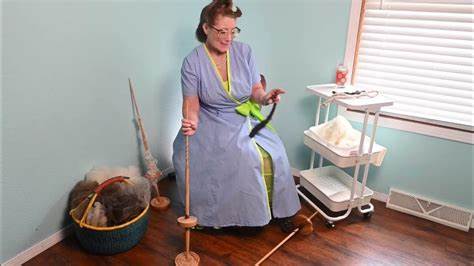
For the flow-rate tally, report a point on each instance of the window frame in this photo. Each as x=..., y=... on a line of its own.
x=395, y=121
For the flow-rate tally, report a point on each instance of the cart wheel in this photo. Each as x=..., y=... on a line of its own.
x=330, y=224
x=367, y=215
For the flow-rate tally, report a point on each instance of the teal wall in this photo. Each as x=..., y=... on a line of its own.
x=66, y=106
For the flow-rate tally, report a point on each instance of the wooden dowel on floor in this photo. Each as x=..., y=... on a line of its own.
x=282, y=242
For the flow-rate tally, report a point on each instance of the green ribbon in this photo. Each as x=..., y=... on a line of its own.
x=251, y=108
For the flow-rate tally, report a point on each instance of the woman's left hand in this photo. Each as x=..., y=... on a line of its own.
x=273, y=96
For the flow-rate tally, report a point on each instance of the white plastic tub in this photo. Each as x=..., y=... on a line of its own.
x=332, y=186
x=344, y=158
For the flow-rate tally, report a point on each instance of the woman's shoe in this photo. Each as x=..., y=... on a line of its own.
x=286, y=224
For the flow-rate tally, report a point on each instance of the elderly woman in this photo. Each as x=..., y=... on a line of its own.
x=235, y=180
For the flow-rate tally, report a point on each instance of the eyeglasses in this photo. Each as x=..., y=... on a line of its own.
x=221, y=34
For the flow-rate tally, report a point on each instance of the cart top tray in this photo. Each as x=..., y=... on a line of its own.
x=361, y=103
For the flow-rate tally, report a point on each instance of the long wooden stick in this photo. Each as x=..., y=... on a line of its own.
x=187, y=168
x=282, y=242
x=139, y=118
x=187, y=184
x=187, y=258
x=152, y=170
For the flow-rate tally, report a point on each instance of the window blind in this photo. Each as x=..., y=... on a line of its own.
x=419, y=53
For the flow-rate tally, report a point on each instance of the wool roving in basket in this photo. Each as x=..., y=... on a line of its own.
x=117, y=203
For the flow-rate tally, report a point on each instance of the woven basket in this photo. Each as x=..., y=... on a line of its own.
x=114, y=239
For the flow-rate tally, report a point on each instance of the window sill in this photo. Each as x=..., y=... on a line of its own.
x=443, y=132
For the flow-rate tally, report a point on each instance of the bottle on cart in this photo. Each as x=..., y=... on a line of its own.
x=341, y=74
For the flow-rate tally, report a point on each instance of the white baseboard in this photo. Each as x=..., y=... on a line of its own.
x=380, y=196
x=39, y=247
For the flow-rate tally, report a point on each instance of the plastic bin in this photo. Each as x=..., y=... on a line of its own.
x=332, y=186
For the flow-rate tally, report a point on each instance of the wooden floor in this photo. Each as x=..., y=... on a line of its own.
x=388, y=238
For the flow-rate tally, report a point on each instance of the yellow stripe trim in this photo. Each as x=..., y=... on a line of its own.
x=262, y=171
x=229, y=76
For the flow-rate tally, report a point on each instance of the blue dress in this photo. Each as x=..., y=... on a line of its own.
x=226, y=174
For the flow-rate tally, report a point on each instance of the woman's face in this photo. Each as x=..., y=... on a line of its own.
x=219, y=35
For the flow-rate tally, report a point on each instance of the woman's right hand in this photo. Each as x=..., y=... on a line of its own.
x=188, y=127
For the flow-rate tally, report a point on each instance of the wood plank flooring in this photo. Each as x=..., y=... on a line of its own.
x=388, y=238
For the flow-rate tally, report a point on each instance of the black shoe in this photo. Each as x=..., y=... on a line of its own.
x=248, y=230
x=286, y=224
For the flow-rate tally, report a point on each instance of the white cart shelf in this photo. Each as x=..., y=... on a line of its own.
x=333, y=187
x=340, y=158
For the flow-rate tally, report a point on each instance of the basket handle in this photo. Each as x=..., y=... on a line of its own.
x=96, y=192
x=110, y=181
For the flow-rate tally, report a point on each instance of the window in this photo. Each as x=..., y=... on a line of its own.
x=419, y=53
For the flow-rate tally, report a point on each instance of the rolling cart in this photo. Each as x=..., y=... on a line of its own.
x=332, y=186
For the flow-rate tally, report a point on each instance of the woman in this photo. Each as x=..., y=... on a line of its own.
x=221, y=88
